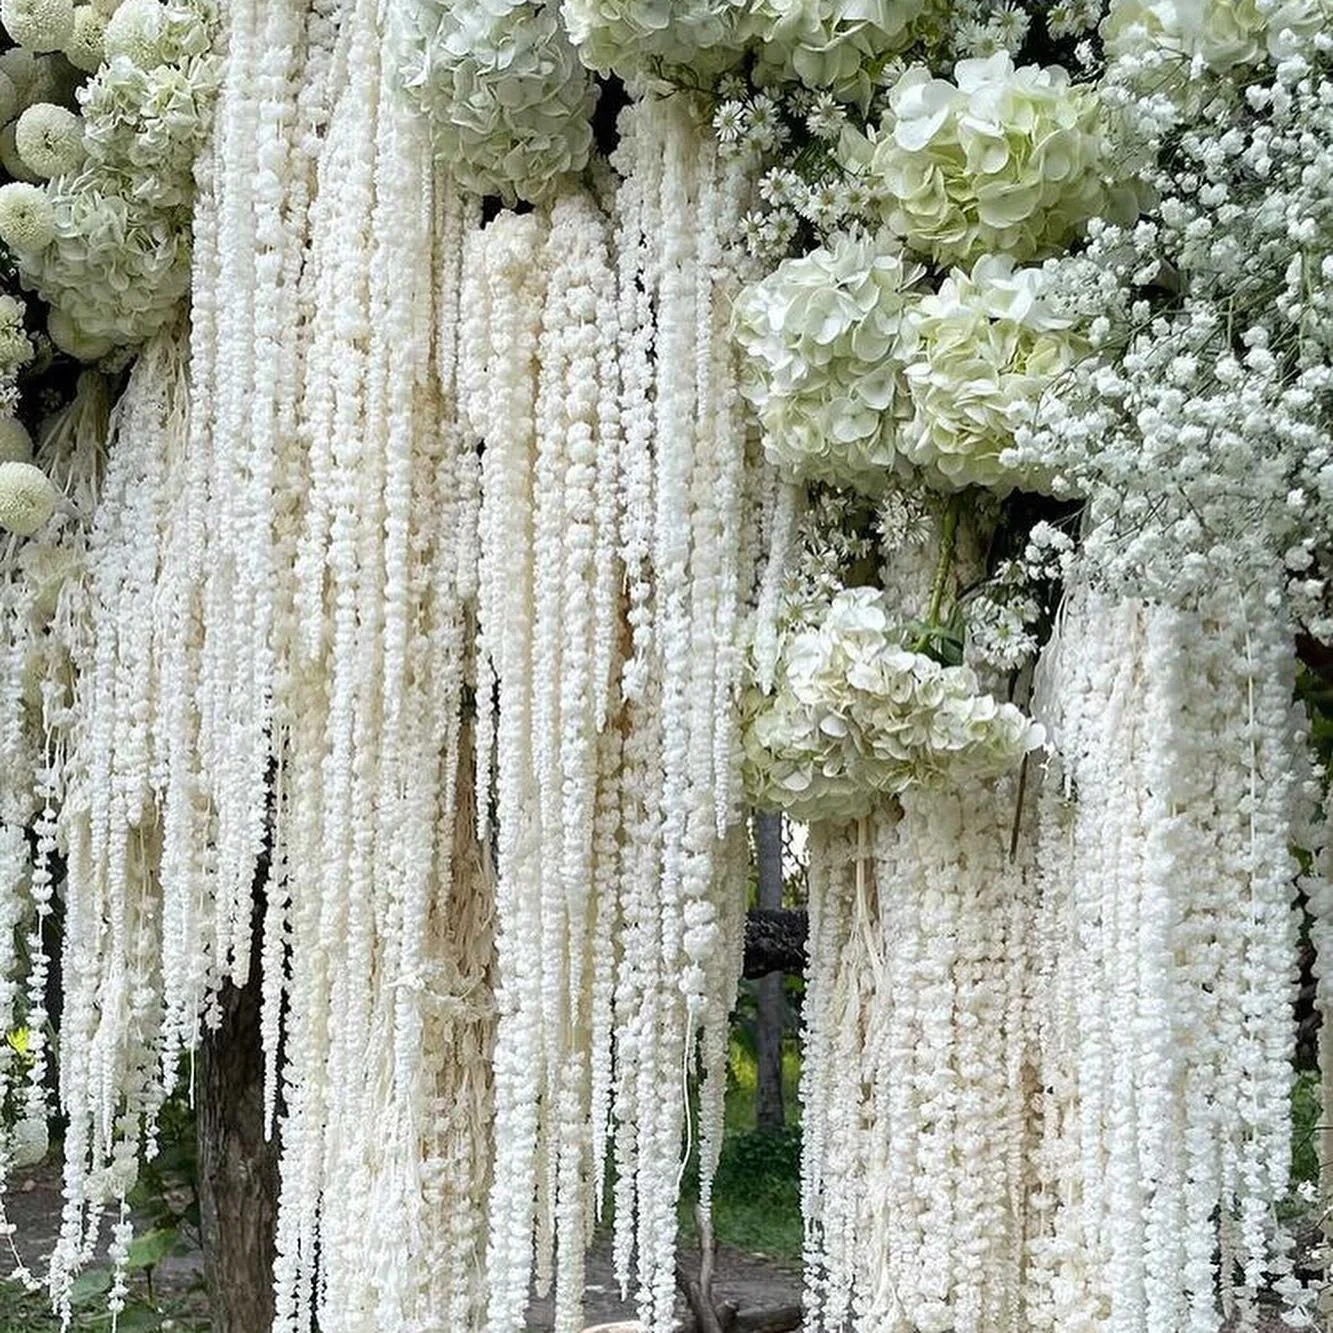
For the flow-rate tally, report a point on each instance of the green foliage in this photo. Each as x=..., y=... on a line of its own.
x=1306, y=1111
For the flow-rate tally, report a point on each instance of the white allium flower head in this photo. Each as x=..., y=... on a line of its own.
x=40, y=25
x=27, y=498
x=27, y=219
x=15, y=442
x=87, y=45
x=9, y=156
x=72, y=340
x=49, y=139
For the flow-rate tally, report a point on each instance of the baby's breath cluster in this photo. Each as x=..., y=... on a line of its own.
x=1199, y=432
x=856, y=714
x=507, y=98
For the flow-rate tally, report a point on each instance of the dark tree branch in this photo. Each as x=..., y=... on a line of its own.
x=775, y=941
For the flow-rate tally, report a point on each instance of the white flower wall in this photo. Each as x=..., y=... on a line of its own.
x=915, y=418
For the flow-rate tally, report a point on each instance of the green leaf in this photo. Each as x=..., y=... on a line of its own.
x=91, y=1285
x=151, y=1248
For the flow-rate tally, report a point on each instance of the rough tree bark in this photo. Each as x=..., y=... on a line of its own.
x=771, y=1002
x=238, y=1169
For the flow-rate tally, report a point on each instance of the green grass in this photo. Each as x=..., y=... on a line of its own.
x=757, y=1193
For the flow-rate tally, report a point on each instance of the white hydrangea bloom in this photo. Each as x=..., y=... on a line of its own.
x=1221, y=33
x=87, y=44
x=116, y=267
x=508, y=100
x=27, y=219
x=856, y=716
x=49, y=139
x=824, y=342
x=987, y=345
x=690, y=38
x=159, y=32
x=831, y=44
x=1001, y=160
x=40, y=25
x=70, y=339
x=27, y=498
x=144, y=128
x=15, y=442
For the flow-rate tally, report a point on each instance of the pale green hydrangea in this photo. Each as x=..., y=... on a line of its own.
x=40, y=25
x=685, y=40
x=509, y=103
x=116, y=267
x=856, y=716
x=27, y=498
x=1221, y=33
x=160, y=32
x=49, y=139
x=1001, y=160
x=66, y=335
x=823, y=337
x=831, y=44
x=144, y=128
x=987, y=346
x=27, y=218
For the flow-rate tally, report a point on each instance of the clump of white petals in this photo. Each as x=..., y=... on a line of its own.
x=40, y=25
x=656, y=39
x=49, y=139
x=27, y=498
x=508, y=100
x=1003, y=159
x=825, y=337
x=985, y=347
x=857, y=715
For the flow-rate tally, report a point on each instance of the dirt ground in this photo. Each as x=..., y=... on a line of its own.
x=750, y=1281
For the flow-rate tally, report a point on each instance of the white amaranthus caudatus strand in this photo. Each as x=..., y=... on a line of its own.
x=1167, y=929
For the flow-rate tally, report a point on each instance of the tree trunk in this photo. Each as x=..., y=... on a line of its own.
x=238, y=1169
x=772, y=1003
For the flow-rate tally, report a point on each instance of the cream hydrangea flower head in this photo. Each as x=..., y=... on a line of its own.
x=27, y=219
x=832, y=44
x=49, y=139
x=70, y=339
x=40, y=25
x=1221, y=33
x=509, y=103
x=151, y=32
x=1003, y=159
x=87, y=44
x=634, y=38
x=27, y=498
x=824, y=338
x=15, y=442
x=986, y=347
x=855, y=716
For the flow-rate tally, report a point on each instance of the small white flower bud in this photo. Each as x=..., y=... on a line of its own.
x=27, y=498
x=27, y=220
